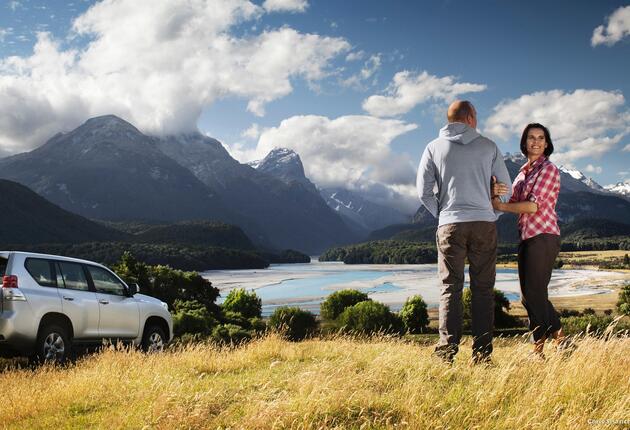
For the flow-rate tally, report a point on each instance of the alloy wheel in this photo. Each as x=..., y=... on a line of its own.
x=54, y=347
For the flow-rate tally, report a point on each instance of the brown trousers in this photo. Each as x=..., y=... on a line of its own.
x=476, y=240
x=536, y=257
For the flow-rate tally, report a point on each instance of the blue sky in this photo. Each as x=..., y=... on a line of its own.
x=288, y=73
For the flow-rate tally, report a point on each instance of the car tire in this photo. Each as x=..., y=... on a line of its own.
x=53, y=345
x=153, y=339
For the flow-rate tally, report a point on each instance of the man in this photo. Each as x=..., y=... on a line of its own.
x=459, y=164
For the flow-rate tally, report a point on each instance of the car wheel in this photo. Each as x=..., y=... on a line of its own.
x=154, y=339
x=53, y=344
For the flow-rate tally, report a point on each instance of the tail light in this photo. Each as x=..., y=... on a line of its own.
x=10, y=291
x=10, y=281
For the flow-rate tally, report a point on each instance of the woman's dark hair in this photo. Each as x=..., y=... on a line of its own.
x=548, y=149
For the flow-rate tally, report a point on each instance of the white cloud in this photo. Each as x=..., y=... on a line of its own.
x=156, y=64
x=350, y=151
x=617, y=28
x=253, y=132
x=355, y=56
x=285, y=5
x=583, y=124
x=367, y=72
x=408, y=90
x=593, y=169
x=14, y=5
x=626, y=148
x=243, y=152
x=4, y=32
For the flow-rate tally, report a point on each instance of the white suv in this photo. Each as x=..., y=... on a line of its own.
x=49, y=303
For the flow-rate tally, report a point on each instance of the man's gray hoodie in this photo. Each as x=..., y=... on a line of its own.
x=461, y=163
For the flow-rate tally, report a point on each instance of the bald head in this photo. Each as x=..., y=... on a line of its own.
x=462, y=111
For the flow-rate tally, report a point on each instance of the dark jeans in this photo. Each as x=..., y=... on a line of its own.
x=536, y=257
x=478, y=241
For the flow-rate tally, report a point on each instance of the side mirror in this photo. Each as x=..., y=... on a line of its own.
x=133, y=289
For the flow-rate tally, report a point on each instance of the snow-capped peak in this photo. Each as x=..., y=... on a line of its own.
x=254, y=164
x=282, y=155
x=516, y=158
x=578, y=175
x=622, y=188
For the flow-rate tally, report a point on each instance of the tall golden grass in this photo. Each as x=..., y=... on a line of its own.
x=325, y=383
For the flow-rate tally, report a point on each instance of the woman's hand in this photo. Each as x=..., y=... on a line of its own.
x=498, y=188
x=497, y=204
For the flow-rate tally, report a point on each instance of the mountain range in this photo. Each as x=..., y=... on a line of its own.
x=106, y=169
x=581, y=201
x=26, y=218
x=357, y=211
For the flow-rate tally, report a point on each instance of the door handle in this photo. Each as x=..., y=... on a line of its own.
x=104, y=302
x=70, y=299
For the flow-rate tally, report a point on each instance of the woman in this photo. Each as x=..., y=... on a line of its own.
x=534, y=197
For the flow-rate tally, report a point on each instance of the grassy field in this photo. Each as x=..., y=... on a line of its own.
x=337, y=383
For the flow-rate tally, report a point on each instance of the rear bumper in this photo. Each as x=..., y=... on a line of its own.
x=15, y=333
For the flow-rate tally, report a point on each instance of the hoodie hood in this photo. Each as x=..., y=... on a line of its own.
x=459, y=132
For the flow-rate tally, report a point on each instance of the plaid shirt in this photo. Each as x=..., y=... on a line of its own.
x=538, y=183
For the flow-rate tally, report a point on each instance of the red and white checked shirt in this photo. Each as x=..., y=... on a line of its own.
x=538, y=183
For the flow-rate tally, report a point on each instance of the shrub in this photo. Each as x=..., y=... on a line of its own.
x=191, y=317
x=335, y=303
x=502, y=319
x=230, y=333
x=245, y=303
x=576, y=325
x=258, y=325
x=235, y=318
x=369, y=317
x=588, y=311
x=623, y=305
x=293, y=323
x=414, y=315
x=564, y=313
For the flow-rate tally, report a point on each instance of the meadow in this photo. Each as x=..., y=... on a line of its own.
x=337, y=382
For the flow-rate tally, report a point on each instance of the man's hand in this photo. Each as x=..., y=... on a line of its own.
x=498, y=188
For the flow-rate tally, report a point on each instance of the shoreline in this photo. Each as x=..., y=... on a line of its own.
x=304, y=289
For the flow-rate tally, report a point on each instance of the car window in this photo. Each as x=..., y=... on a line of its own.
x=3, y=265
x=105, y=282
x=73, y=276
x=41, y=271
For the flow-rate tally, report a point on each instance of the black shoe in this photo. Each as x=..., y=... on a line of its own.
x=482, y=359
x=566, y=346
x=446, y=353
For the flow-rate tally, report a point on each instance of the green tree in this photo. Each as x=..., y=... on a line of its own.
x=414, y=314
x=369, y=317
x=336, y=302
x=502, y=319
x=247, y=304
x=293, y=322
x=191, y=317
x=230, y=334
x=623, y=305
x=168, y=284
